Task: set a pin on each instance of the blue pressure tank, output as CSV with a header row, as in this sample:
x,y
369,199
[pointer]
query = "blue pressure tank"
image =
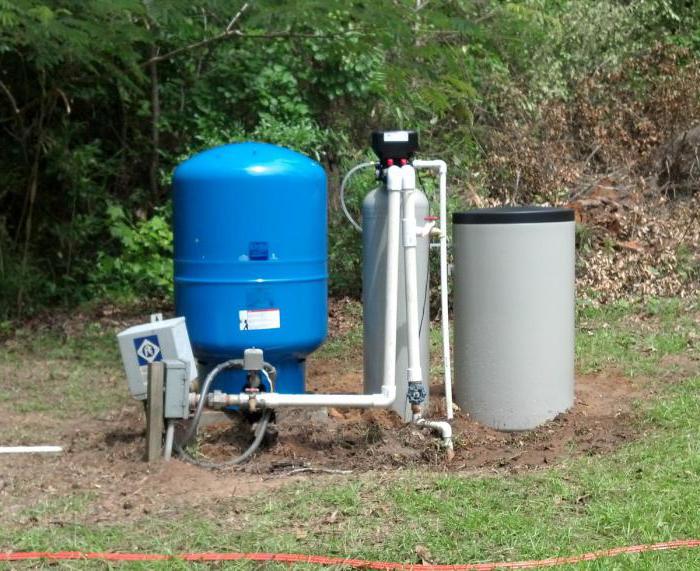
x,y
251,258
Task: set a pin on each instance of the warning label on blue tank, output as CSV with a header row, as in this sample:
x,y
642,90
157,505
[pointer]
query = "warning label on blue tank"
x,y
256,319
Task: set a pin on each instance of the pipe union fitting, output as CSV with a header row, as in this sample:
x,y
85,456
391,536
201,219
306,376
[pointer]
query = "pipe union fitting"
x,y
217,399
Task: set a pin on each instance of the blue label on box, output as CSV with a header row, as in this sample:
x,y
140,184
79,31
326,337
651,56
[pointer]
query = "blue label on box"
x,y
148,349
258,250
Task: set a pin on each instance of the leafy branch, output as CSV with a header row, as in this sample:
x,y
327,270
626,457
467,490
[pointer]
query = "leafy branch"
x,y
228,32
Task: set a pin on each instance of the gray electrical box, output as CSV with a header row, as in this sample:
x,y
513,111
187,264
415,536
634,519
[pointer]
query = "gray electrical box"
x,y
177,389
252,359
150,342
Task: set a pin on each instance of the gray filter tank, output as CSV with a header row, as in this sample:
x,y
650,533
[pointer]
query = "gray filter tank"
x,y
514,297
374,217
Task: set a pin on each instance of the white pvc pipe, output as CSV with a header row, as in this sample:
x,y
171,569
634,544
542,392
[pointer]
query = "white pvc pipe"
x,y
443,428
441,167
169,439
379,400
414,373
394,184
29,449
277,400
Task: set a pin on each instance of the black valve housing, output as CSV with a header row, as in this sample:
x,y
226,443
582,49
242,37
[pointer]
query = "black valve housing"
x,y
393,146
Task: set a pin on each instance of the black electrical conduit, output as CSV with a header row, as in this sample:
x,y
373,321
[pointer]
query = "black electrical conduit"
x,y
194,425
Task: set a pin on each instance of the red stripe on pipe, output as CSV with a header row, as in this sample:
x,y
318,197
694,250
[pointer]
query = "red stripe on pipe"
x,y
354,563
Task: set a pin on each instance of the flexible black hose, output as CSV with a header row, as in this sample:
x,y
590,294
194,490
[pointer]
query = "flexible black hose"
x,y
259,435
194,425
206,385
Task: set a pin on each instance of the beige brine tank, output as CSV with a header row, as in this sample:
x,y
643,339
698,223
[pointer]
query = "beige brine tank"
x,y
514,305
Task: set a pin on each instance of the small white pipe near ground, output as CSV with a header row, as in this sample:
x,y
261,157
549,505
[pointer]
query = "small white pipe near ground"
x,y
443,428
169,439
30,449
441,168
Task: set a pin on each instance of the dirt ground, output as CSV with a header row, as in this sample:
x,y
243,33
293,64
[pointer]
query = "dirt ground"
x,y
103,457
378,439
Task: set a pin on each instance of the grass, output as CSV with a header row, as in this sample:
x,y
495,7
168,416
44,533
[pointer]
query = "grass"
x,y
349,342
64,375
647,491
634,337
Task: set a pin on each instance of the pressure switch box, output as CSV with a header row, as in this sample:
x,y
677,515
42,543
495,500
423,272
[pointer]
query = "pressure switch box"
x,y
177,389
150,342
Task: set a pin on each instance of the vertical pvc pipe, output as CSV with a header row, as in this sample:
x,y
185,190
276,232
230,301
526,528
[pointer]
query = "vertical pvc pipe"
x,y
414,373
444,293
393,187
169,439
441,167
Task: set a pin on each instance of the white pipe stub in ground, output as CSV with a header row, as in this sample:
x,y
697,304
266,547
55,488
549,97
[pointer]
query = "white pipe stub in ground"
x,y
30,449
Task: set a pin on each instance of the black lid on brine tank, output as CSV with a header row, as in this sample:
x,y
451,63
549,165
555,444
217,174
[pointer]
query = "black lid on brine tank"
x,y
514,215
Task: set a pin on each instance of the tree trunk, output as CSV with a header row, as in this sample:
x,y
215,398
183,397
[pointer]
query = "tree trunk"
x,y
155,132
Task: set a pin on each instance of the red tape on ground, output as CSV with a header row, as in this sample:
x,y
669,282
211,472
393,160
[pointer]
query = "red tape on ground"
x,y
354,563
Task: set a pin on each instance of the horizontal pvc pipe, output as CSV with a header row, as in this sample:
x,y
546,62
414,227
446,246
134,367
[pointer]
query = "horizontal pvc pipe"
x,y
29,449
279,400
379,400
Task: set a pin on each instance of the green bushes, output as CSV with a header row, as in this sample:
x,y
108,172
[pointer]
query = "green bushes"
x,y
142,263
100,100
